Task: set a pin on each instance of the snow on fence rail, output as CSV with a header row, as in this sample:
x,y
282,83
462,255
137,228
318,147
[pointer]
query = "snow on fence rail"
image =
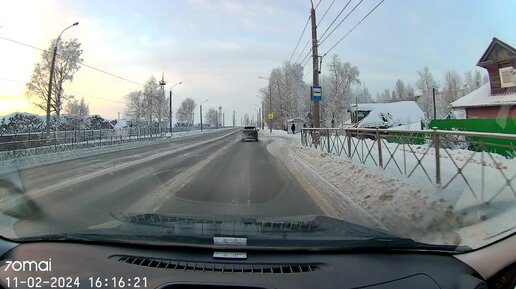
x,y
14,146
476,165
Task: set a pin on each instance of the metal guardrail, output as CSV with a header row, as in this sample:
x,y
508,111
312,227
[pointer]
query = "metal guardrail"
x,y
423,152
14,146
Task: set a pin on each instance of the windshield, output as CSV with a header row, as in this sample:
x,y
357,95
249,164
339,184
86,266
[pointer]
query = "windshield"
x,y
376,124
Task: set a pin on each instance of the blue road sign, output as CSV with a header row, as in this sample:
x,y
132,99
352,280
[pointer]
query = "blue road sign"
x,y
316,93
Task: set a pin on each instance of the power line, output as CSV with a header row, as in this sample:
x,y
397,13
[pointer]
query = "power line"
x,y
325,12
94,96
358,23
307,57
83,64
302,51
335,19
68,90
299,40
20,43
317,4
308,42
111,74
321,42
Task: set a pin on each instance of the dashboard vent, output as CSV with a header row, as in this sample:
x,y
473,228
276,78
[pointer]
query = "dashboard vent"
x,y
248,268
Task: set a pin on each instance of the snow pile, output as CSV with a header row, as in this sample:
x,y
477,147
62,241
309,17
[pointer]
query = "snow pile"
x,y
413,206
386,115
401,207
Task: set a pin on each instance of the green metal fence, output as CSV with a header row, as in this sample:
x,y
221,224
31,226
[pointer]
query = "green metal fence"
x,y
496,145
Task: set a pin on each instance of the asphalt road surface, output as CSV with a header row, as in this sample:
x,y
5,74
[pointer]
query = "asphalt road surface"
x,y
214,174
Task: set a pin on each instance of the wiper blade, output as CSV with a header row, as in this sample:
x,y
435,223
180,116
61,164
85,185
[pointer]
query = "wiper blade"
x,y
240,225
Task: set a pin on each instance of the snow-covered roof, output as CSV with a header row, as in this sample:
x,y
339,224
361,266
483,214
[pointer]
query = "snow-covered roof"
x,y
482,97
365,106
390,114
121,123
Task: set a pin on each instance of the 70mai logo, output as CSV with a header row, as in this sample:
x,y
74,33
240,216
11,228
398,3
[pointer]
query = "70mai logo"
x,y
29,266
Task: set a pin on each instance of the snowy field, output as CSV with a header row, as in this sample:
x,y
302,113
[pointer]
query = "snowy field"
x,y
413,206
42,159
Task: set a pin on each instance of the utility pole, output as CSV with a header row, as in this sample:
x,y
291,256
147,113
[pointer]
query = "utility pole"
x,y
162,83
170,112
315,61
258,124
223,119
52,67
233,118
219,117
433,97
200,114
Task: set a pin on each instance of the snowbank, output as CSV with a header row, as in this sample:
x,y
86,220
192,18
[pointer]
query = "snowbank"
x,y
413,206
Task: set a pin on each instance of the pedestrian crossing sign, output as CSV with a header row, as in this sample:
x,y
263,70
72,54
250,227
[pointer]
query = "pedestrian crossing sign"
x,y
270,116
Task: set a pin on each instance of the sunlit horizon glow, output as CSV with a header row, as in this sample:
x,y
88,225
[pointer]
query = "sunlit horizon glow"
x,y
218,48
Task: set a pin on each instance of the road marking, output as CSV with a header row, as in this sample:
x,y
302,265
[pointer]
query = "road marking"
x,y
61,186
153,201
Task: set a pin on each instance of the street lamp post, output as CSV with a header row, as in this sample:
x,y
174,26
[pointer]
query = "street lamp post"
x,y
200,111
270,103
54,54
170,107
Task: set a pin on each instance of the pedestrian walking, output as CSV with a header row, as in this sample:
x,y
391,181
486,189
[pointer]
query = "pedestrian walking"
x,y
293,128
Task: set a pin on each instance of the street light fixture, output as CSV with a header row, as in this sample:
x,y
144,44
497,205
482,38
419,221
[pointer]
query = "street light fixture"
x,y
52,75
170,106
269,122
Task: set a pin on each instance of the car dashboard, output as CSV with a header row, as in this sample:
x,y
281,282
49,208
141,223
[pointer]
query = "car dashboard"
x,y
84,265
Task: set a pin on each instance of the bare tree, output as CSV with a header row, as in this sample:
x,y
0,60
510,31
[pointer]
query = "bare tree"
x,y
473,80
385,96
151,100
451,91
185,113
288,93
77,111
68,62
400,91
362,94
338,90
425,83
135,107
411,94
211,116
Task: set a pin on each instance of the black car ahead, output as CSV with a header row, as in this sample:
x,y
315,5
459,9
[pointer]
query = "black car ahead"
x,y
249,132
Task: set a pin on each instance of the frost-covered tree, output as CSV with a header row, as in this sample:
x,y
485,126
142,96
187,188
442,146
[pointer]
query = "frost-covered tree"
x,y
400,91
211,116
185,112
77,111
288,94
473,80
152,100
97,122
385,96
452,90
68,62
21,123
337,91
135,108
425,83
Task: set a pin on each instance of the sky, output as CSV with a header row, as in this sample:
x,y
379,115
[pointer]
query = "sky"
x,y
219,48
